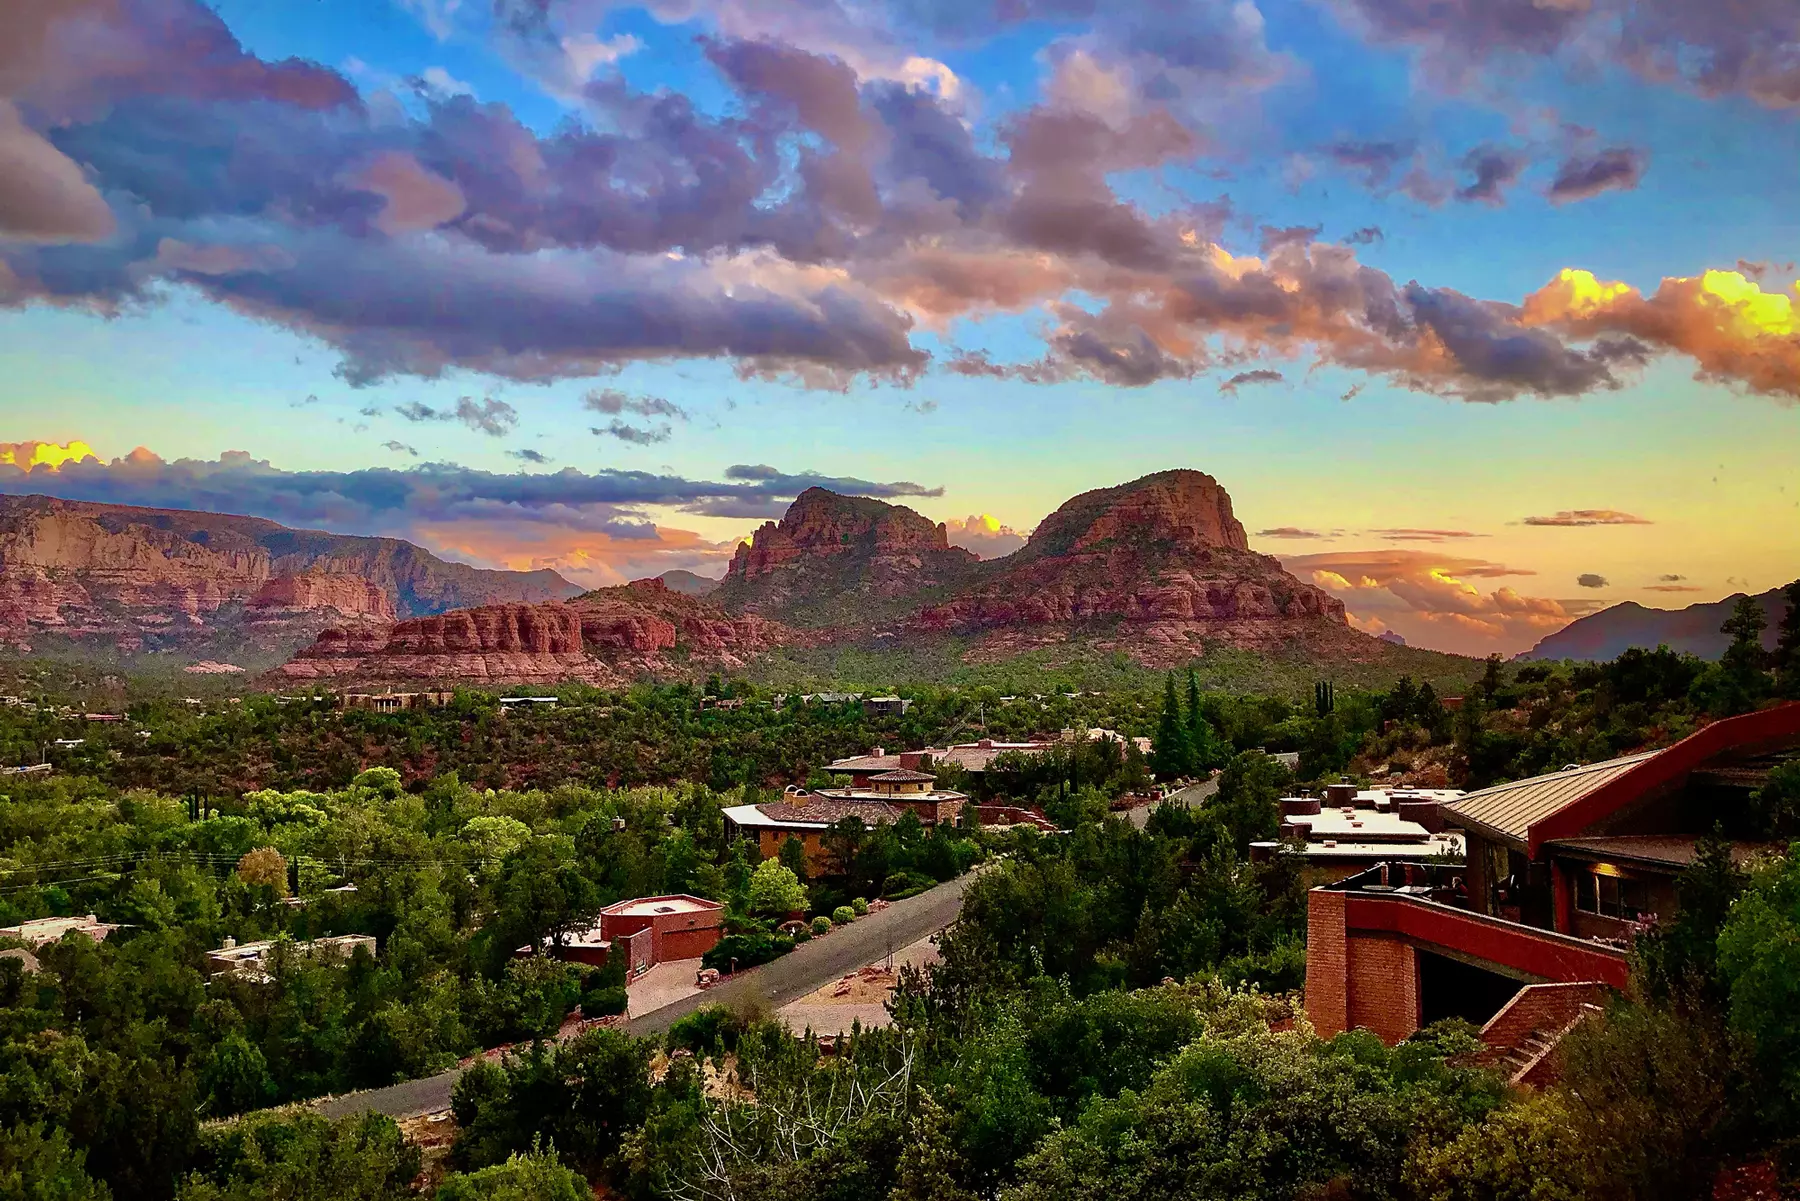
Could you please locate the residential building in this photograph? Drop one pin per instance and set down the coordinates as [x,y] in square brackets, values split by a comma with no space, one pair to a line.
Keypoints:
[1562,871]
[394,702]
[647,931]
[44,930]
[885,706]
[1349,830]
[803,815]
[975,756]
[249,959]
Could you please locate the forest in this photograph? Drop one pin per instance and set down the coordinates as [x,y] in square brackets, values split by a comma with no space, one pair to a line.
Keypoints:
[1115,1012]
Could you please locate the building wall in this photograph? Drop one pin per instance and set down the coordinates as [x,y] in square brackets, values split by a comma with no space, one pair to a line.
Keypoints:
[768,845]
[686,944]
[1327,983]
[1382,977]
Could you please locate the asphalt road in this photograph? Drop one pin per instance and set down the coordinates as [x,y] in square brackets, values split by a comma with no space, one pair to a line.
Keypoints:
[789,978]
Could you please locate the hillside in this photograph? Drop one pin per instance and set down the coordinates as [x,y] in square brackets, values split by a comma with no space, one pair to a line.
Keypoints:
[1695,630]
[80,574]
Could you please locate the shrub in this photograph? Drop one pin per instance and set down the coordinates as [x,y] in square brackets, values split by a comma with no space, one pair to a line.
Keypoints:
[534,1177]
[821,924]
[843,915]
[900,885]
[604,1002]
[803,934]
[774,888]
[709,1030]
[748,950]
[860,905]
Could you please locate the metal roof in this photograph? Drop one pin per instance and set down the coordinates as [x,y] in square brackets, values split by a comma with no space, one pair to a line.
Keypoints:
[1508,811]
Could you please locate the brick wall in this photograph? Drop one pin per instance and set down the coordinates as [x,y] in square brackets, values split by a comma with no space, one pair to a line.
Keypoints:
[1545,1008]
[1326,983]
[1382,975]
[685,944]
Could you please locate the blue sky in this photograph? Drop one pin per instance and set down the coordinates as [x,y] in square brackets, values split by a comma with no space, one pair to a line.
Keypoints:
[983,263]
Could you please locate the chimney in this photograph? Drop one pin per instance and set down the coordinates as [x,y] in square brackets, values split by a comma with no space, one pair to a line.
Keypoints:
[875,752]
[910,760]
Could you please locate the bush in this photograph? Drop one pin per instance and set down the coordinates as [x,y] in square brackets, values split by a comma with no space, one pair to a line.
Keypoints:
[604,1002]
[843,915]
[534,1177]
[821,924]
[747,950]
[803,934]
[860,905]
[709,1030]
[900,885]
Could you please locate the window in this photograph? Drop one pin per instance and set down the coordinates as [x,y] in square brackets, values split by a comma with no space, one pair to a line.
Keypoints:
[1609,894]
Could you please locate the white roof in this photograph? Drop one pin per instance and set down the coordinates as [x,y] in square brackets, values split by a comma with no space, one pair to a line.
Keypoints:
[748,817]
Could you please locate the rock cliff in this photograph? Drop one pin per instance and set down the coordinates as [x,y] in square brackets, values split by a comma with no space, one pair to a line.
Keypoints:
[605,637]
[842,561]
[1161,563]
[169,579]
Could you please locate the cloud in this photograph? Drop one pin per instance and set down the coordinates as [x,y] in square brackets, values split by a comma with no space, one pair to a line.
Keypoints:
[1289,531]
[1734,331]
[636,435]
[495,418]
[1672,588]
[613,402]
[1429,600]
[526,455]
[1671,579]
[984,535]
[1365,236]
[1259,376]
[1586,517]
[1692,44]
[1582,176]
[1590,580]
[400,448]
[44,197]
[1496,168]
[1408,534]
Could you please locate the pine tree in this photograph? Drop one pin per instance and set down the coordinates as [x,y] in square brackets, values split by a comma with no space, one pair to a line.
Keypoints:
[1743,661]
[1205,752]
[1787,647]
[1172,753]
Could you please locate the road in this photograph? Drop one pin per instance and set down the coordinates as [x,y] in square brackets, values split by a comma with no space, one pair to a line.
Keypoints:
[1193,794]
[773,985]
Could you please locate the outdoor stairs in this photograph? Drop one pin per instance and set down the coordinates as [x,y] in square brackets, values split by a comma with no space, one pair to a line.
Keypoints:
[1522,1039]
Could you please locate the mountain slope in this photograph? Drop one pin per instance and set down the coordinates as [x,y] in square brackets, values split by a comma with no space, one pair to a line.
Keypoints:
[1695,630]
[160,579]
[1159,567]
[845,561]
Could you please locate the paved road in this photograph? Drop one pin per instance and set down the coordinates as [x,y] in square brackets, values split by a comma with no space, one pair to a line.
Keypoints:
[789,978]
[1193,794]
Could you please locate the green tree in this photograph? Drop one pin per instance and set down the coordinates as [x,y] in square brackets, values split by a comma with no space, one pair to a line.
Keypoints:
[1171,756]
[793,857]
[1759,958]
[1743,680]
[1787,646]
[775,889]
[1206,748]
[301,1156]
[38,1163]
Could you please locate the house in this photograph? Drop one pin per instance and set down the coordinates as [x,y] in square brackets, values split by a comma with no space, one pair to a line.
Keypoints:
[1349,830]
[803,815]
[885,706]
[647,931]
[45,930]
[1562,871]
[247,959]
[527,702]
[394,702]
[969,756]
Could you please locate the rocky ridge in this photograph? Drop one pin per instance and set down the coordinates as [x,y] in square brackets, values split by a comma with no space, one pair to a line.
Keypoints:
[142,579]
[836,560]
[606,637]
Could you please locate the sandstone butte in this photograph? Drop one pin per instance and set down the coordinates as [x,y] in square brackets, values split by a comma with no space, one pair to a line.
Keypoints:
[605,637]
[1159,568]
[162,578]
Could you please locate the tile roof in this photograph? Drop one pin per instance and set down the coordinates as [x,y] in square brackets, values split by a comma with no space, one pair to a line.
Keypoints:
[819,809]
[903,776]
[1508,811]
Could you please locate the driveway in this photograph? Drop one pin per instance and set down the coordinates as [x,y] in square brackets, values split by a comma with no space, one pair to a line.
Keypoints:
[1193,794]
[770,986]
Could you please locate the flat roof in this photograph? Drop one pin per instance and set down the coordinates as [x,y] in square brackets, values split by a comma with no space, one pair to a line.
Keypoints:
[1440,844]
[1371,825]
[650,906]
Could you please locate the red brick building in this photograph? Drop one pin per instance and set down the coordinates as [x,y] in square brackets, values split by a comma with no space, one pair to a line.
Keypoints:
[648,931]
[1562,871]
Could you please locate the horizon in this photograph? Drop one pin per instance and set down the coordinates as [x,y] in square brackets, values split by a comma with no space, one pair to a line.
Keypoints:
[1484,317]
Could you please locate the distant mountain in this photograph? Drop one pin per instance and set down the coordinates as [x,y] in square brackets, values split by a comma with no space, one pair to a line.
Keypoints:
[164,579]
[1393,636]
[1154,573]
[689,584]
[1607,634]
[844,561]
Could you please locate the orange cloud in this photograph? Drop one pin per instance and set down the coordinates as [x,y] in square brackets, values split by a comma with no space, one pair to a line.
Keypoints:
[591,558]
[44,454]
[984,535]
[1736,332]
[1429,600]
[1585,517]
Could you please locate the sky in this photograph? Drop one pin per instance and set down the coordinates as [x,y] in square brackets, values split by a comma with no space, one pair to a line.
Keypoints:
[1483,311]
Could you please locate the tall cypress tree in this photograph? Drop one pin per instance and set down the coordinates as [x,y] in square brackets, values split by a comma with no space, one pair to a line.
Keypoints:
[1203,741]
[1172,755]
[1787,647]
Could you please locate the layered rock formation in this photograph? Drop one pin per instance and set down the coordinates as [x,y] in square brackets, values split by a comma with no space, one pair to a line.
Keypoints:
[604,637]
[161,578]
[842,561]
[1160,562]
